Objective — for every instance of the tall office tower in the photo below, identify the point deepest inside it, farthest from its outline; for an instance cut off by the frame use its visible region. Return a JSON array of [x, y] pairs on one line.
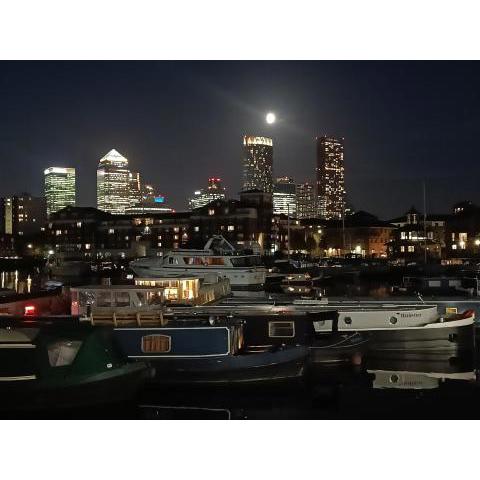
[[214, 191], [257, 164], [306, 204], [23, 214], [60, 189], [285, 197], [330, 177], [113, 183], [6, 215], [135, 188]]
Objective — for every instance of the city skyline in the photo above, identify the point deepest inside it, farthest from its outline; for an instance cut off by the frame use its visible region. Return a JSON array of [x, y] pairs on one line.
[[403, 122]]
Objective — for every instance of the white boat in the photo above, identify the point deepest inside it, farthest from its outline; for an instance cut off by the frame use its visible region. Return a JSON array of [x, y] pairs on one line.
[[244, 271], [381, 316]]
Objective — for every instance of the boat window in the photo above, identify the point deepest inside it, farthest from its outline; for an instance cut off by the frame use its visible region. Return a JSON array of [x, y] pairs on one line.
[[104, 299], [281, 329], [63, 352], [215, 261], [122, 299], [193, 260], [156, 344], [173, 261], [250, 261], [171, 293], [154, 298], [140, 298]]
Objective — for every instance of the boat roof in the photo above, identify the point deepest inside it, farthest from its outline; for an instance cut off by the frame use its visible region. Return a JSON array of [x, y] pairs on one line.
[[115, 287], [179, 276], [208, 252]]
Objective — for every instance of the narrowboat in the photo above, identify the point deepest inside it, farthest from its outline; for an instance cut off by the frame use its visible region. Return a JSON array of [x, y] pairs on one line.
[[195, 351], [61, 363]]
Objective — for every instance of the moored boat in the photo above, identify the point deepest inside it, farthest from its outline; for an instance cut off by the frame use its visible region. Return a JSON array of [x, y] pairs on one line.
[[244, 271], [63, 364], [195, 352]]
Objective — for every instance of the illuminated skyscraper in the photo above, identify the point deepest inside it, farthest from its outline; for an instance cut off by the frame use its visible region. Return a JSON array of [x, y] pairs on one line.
[[284, 197], [113, 183], [214, 191], [306, 204], [330, 177], [257, 164], [59, 188], [135, 188]]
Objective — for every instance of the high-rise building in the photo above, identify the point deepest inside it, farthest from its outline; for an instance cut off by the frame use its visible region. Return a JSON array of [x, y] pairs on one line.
[[257, 164], [59, 188], [214, 191], [135, 188], [23, 214], [113, 183], [330, 177], [306, 204], [285, 197]]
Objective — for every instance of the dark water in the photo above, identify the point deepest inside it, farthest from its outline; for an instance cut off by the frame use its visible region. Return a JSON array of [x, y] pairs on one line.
[[411, 390]]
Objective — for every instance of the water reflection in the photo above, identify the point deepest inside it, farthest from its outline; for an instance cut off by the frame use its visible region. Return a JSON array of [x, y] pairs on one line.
[[9, 280], [428, 390]]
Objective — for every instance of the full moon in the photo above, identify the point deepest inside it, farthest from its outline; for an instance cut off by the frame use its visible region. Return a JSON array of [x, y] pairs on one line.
[[270, 118]]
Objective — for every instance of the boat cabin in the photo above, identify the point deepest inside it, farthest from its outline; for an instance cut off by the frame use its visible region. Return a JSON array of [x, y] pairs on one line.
[[147, 295], [190, 290], [115, 298]]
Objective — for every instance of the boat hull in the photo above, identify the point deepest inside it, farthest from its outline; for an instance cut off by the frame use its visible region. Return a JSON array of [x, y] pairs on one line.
[[261, 367], [115, 386], [442, 340], [339, 348], [365, 318]]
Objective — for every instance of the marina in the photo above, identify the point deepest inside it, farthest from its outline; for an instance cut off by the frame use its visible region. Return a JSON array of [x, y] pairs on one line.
[[166, 336]]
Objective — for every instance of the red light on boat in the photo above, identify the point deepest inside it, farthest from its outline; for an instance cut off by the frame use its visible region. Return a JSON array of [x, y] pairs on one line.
[[29, 310]]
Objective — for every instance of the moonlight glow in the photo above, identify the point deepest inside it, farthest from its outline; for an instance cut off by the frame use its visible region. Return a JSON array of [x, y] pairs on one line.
[[270, 118]]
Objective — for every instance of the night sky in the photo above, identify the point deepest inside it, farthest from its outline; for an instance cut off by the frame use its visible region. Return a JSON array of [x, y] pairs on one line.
[[180, 122]]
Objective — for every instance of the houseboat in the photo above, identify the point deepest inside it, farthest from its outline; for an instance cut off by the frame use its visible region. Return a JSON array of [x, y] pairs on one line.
[[195, 352], [244, 271], [148, 298]]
